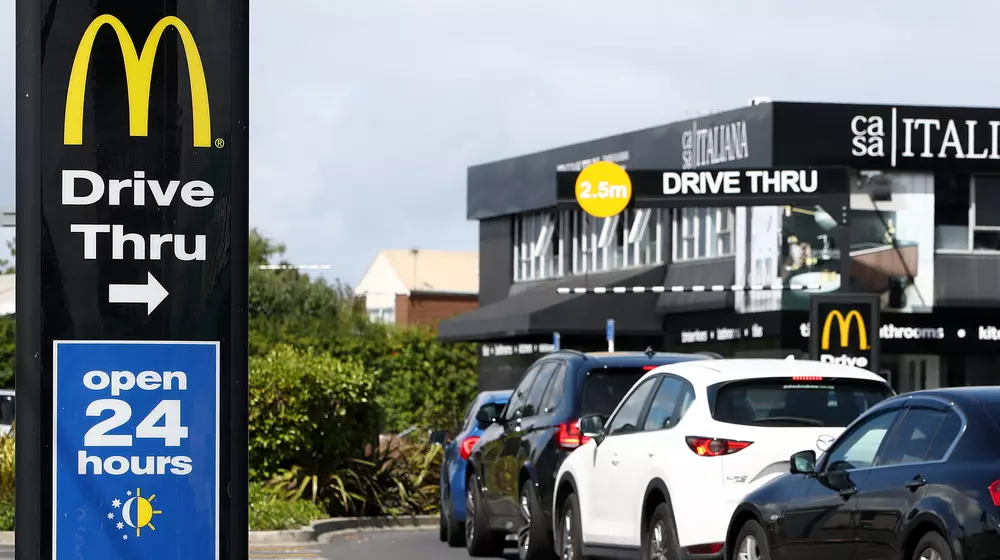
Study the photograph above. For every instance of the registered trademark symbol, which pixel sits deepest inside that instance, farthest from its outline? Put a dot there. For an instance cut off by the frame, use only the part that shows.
(219, 143)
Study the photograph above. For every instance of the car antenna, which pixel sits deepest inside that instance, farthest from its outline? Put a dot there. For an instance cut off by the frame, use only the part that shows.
(649, 351)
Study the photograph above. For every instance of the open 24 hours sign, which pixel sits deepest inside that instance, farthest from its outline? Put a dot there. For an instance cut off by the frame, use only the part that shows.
(136, 450)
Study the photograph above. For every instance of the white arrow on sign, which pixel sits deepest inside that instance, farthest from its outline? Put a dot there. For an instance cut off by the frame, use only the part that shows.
(152, 293)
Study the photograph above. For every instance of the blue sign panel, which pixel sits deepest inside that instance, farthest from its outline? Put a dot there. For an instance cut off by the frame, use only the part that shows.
(136, 448)
(610, 330)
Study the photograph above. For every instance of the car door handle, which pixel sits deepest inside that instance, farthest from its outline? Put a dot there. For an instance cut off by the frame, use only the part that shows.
(848, 492)
(917, 482)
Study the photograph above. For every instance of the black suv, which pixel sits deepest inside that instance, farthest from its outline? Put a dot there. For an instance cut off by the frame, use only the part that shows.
(512, 469)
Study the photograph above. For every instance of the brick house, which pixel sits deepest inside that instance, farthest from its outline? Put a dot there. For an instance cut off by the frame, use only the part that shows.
(410, 287)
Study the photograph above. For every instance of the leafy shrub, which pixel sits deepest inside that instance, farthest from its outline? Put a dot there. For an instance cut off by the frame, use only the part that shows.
(7, 482)
(399, 477)
(7, 514)
(309, 411)
(6, 465)
(271, 513)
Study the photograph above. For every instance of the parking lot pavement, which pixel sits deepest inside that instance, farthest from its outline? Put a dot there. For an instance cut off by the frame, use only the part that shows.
(408, 545)
(289, 552)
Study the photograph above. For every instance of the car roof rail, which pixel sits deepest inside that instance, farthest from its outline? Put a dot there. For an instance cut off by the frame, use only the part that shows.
(574, 352)
(713, 355)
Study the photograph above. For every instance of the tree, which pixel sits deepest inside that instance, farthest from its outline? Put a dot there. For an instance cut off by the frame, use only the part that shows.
(287, 306)
(7, 265)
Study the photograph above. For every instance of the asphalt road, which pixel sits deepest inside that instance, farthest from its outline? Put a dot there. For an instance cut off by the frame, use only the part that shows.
(408, 545)
(275, 552)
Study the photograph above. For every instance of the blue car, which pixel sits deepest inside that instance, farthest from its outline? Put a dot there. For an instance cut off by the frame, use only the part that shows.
(480, 414)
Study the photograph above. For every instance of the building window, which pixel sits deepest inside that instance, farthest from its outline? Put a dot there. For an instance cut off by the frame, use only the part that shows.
(554, 244)
(382, 315)
(967, 213)
(537, 247)
(702, 233)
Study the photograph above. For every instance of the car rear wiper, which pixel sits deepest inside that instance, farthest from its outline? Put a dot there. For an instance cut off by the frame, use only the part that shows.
(793, 419)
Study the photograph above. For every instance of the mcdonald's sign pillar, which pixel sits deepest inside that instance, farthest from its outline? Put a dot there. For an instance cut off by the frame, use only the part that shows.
(132, 194)
(844, 329)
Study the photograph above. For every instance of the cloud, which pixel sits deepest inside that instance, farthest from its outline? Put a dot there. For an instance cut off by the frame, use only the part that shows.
(365, 115)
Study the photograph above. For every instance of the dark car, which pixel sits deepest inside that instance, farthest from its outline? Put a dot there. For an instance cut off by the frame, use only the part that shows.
(916, 477)
(511, 472)
(481, 411)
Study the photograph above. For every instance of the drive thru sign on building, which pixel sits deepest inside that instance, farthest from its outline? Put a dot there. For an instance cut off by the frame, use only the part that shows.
(132, 192)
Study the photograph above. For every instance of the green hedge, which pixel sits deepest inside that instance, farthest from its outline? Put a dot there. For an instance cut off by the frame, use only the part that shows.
(308, 410)
(7, 354)
(422, 381)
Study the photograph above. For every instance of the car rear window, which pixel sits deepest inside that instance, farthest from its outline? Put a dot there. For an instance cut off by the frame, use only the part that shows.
(6, 409)
(604, 388)
(795, 402)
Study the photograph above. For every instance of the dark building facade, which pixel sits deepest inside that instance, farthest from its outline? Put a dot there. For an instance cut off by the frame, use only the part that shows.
(924, 235)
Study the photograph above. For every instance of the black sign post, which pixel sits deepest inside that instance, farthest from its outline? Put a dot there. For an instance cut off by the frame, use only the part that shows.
(132, 231)
(844, 329)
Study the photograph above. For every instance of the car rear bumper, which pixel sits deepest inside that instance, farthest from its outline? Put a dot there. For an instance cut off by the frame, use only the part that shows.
(456, 491)
(703, 522)
(716, 556)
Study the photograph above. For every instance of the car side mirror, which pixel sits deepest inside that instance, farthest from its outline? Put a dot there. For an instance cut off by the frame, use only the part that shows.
(438, 437)
(486, 415)
(803, 462)
(592, 426)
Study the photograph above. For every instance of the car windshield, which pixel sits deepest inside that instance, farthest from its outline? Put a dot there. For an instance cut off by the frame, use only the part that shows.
(6, 409)
(793, 402)
(605, 387)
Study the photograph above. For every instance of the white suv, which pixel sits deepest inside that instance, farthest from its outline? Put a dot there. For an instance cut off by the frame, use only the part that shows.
(687, 442)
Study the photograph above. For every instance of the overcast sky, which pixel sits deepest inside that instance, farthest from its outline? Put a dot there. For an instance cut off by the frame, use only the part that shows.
(365, 115)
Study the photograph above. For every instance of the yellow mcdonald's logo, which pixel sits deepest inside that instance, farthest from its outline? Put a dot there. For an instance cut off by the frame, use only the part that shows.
(138, 75)
(845, 329)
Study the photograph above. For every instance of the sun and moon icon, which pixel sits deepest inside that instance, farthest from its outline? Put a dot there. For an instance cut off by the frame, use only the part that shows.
(137, 512)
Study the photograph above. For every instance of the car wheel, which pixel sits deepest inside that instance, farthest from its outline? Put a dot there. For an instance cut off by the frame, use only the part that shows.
(751, 543)
(533, 541)
(570, 533)
(659, 540)
(442, 526)
(932, 547)
(455, 531)
(480, 541)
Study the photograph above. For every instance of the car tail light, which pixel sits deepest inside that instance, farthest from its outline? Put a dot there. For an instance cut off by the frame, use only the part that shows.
(569, 435)
(995, 492)
(712, 548)
(715, 447)
(807, 378)
(648, 368)
(465, 449)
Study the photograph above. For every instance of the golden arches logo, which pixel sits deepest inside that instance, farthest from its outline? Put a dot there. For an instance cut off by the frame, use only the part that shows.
(845, 329)
(138, 75)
